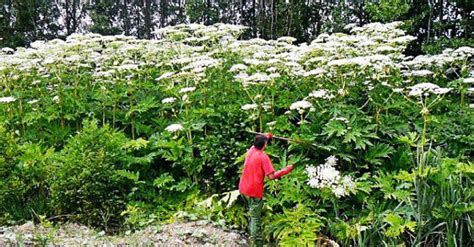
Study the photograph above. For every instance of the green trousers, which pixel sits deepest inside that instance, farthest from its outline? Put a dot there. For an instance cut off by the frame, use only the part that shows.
(255, 225)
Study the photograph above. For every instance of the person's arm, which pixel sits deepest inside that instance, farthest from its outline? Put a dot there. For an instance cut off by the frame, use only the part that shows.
(280, 173)
(270, 171)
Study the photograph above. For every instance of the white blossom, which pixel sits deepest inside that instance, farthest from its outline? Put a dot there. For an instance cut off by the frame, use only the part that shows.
(165, 76)
(7, 99)
(469, 80)
(421, 73)
(274, 75)
(286, 39)
(168, 100)
(187, 89)
(427, 88)
(185, 98)
(247, 107)
(126, 67)
(174, 127)
(271, 123)
(342, 91)
(331, 160)
(241, 76)
(321, 93)
(314, 72)
(259, 77)
(272, 70)
(327, 176)
(300, 105)
(238, 67)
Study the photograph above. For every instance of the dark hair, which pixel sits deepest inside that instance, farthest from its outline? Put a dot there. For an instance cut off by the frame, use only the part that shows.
(260, 141)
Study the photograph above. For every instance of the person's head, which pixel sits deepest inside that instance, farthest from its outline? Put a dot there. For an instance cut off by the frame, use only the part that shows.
(260, 142)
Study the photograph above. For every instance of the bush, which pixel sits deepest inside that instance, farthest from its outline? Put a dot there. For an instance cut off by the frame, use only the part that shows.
(91, 181)
(23, 179)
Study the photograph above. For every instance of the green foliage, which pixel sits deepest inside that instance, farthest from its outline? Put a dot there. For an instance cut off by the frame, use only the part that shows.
(295, 227)
(24, 186)
(91, 181)
(387, 10)
(436, 46)
(398, 225)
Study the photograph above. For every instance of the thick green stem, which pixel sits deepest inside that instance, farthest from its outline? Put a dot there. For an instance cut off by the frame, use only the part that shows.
(113, 115)
(423, 134)
(132, 122)
(190, 137)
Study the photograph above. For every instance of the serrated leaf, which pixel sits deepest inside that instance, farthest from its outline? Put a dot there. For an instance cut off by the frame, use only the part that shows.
(378, 152)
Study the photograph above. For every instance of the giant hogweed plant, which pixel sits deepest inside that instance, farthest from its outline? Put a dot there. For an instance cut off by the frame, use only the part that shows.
(191, 93)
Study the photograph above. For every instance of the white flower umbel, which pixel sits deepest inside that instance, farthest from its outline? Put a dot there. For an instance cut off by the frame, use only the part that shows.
(247, 107)
(271, 123)
(331, 160)
(238, 67)
(421, 73)
(322, 94)
(469, 80)
(315, 72)
(327, 176)
(427, 88)
(56, 99)
(301, 105)
(7, 99)
(174, 128)
(187, 89)
(255, 79)
(165, 76)
(168, 100)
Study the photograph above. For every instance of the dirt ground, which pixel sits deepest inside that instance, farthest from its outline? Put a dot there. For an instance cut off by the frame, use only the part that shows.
(197, 233)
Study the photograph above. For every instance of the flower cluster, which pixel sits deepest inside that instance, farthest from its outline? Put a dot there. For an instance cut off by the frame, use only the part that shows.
(247, 107)
(301, 106)
(168, 100)
(327, 176)
(322, 94)
(174, 128)
(7, 99)
(427, 88)
(187, 89)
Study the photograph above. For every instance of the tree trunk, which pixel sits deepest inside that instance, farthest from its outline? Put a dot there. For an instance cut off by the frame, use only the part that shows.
(74, 16)
(68, 18)
(254, 18)
(163, 13)
(272, 7)
(290, 19)
(428, 32)
(126, 19)
(147, 16)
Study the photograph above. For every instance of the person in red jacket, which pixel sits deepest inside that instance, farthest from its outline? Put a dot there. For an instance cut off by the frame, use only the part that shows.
(258, 165)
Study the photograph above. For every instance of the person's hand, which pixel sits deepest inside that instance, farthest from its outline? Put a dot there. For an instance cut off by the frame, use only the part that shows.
(289, 168)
